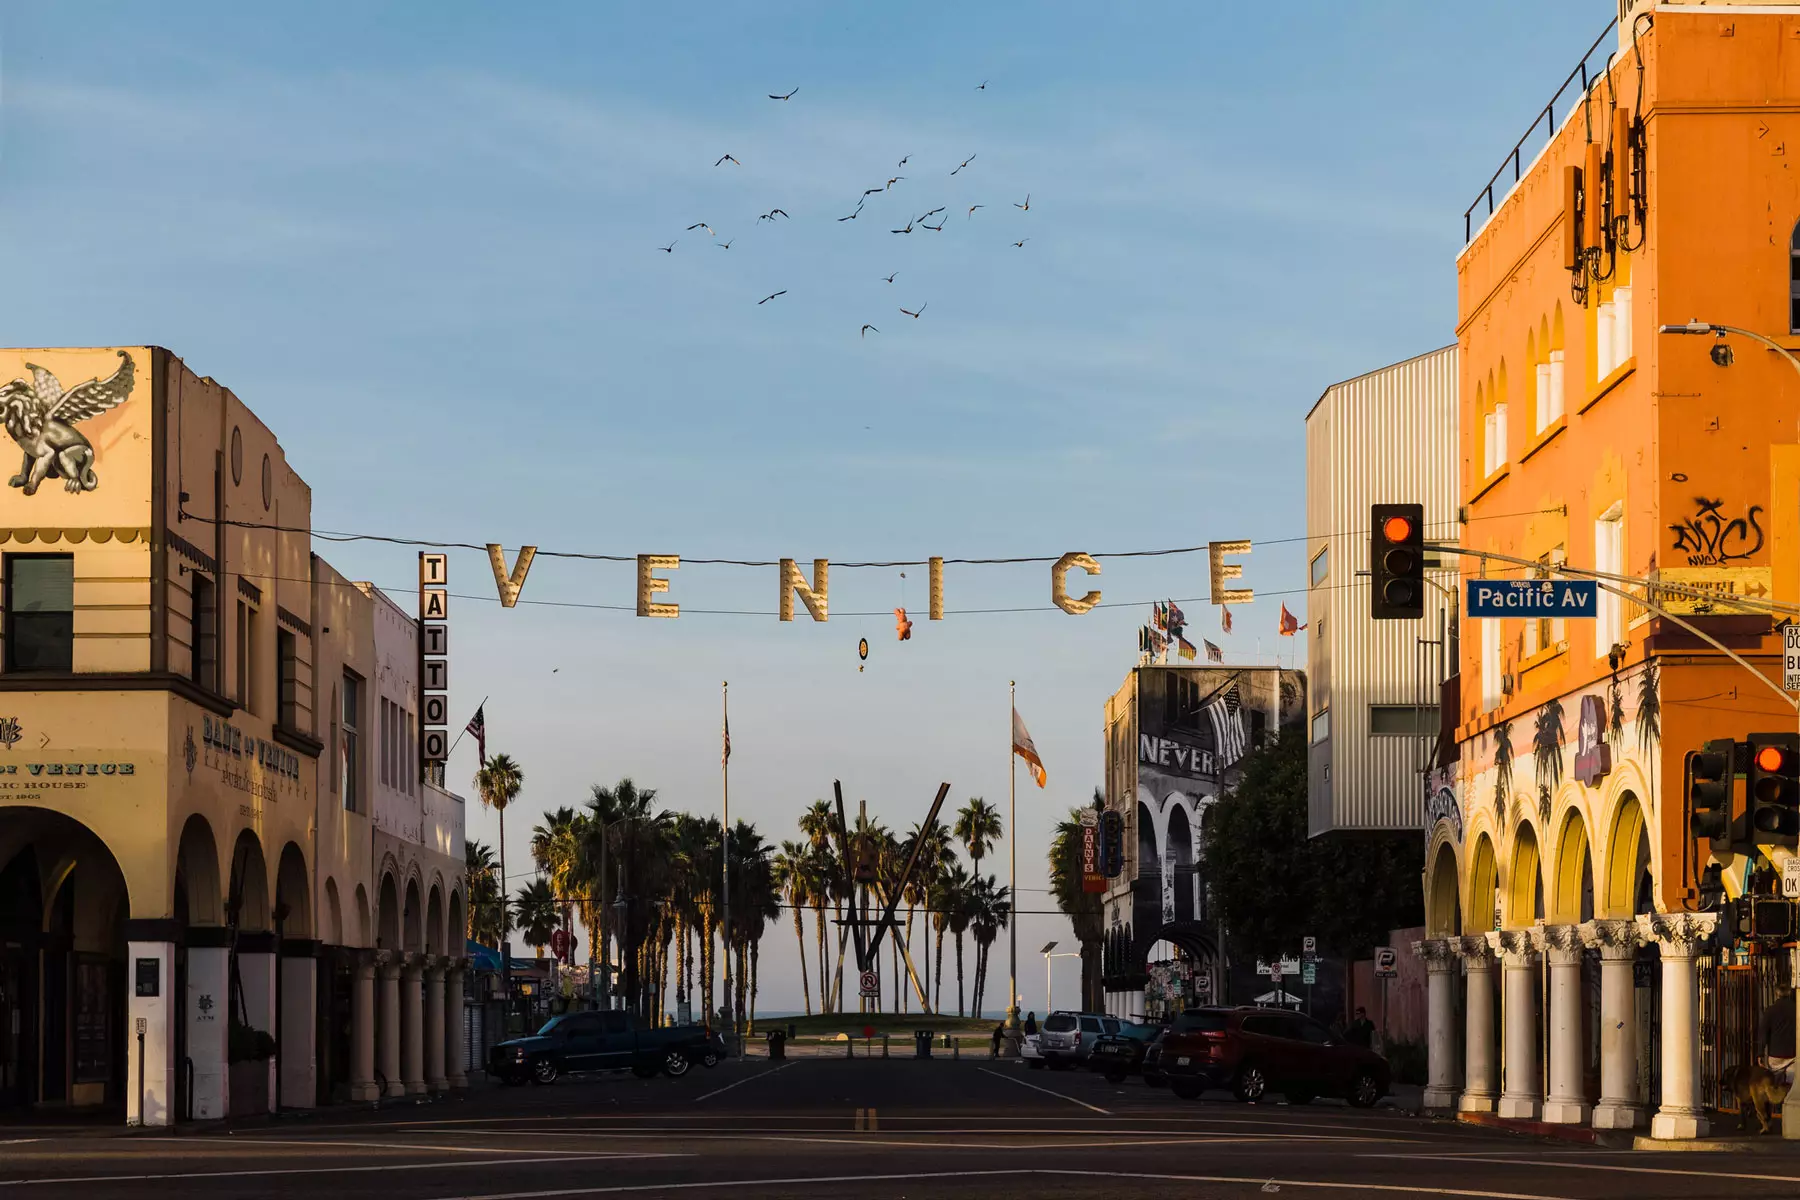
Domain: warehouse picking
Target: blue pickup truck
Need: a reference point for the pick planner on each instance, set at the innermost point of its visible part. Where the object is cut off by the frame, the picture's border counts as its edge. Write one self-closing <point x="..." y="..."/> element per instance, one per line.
<point x="611" y="1040"/>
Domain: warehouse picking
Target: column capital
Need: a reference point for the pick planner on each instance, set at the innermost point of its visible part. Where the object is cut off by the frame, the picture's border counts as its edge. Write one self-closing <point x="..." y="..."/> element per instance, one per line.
<point x="1616" y="940"/>
<point x="1678" y="935"/>
<point x="1517" y="947"/>
<point x="387" y="963"/>
<point x="435" y="965"/>
<point x="1439" y="954"/>
<point x="1563" y="944"/>
<point x="1472" y="948"/>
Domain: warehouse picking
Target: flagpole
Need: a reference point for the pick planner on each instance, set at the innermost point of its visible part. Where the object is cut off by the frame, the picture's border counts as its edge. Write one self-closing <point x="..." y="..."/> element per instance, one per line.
<point x="465" y="732"/>
<point x="725" y="863"/>
<point x="1012" y="853"/>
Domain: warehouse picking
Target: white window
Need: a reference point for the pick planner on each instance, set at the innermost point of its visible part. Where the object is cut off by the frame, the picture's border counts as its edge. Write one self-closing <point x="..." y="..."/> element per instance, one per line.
<point x="1609" y="557"/>
<point x="1321" y="566"/>
<point x="1556" y="384"/>
<point x="1490" y="665"/>
<point x="1621" y="326"/>
<point x="1321" y="726"/>
<point x="1603" y="341"/>
<point x="1494" y="440"/>
<point x="1543" y="397"/>
<point x="1488" y="461"/>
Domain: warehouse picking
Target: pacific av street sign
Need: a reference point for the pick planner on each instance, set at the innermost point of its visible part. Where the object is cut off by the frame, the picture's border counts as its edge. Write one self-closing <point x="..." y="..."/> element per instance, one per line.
<point x="1532" y="597"/>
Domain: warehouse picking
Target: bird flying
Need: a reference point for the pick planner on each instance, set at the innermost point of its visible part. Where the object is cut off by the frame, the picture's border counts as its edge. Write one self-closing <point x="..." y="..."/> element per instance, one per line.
<point x="670" y="248"/>
<point x="890" y="278"/>
<point x="726" y="158"/>
<point x="894" y="180"/>
<point x="938" y="228"/>
<point x="983" y="86"/>
<point x="866" y="328"/>
<point x="789" y="96"/>
<point x="965" y="162"/>
<point x="702" y="225"/>
<point x="973" y="207"/>
<point x="1027" y="205"/>
<point x="852" y="216"/>
<point x="772" y="295"/>
<point x="874" y="191"/>
<point x="768" y="216"/>
<point x="1021" y="241"/>
<point x="934" y="212"/>
<point x="724" y="245"/>
<point x="913" y="315"/>
<point x="904" y="161"/>
<point x="908" y="228"/>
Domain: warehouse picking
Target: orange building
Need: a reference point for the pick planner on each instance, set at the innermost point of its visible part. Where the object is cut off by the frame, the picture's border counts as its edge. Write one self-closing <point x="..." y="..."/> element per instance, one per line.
<point x="1666" y="191"/>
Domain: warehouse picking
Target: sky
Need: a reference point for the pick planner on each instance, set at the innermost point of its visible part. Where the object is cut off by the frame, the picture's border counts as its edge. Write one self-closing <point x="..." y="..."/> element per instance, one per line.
<point x="421" y="242"/>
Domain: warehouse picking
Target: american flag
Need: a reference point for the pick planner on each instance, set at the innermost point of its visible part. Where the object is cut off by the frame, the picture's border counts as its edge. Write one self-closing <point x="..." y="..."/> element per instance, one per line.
<point x="1227" y="715"/>
<point x="725" y="759"/>
<point x="477" y="726"/>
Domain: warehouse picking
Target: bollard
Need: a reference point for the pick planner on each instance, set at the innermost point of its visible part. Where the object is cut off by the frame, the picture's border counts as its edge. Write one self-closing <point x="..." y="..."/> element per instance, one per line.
<point x="955" y="1047"/>
<point x="849" y="1047"/>
<point x="884" y="1045"/>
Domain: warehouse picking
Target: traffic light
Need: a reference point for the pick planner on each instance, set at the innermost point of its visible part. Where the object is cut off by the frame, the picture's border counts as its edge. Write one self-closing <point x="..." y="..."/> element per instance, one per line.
<point x="1709" y="772"/>
<point x="1772" y="789"/>
<point x="1396" y="562"/>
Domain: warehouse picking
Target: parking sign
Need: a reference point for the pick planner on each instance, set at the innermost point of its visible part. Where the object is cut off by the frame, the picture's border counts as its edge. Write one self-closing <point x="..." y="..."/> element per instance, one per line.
<point x="1387" y="964"/>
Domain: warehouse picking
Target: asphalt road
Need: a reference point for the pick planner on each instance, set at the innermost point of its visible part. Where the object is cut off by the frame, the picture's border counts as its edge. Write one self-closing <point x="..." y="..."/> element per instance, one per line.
<point x="819" y="1128"/>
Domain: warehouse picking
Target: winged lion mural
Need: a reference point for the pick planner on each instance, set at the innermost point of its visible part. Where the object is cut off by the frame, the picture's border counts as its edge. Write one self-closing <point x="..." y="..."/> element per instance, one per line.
<point x="41" y="417"/>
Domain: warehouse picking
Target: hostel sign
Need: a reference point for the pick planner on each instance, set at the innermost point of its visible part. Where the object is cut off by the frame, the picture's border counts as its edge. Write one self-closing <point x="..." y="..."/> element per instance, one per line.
<point x="1532" y="598"/>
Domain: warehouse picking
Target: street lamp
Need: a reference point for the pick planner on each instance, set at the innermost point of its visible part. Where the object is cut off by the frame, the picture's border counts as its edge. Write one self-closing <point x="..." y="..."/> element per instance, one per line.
<point x="1721" y="354"/>
<point x="1049" y="1003"/>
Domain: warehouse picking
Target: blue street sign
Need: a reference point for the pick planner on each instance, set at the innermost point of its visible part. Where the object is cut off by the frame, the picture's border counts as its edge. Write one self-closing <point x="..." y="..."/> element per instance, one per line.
<point x="1532" y="597"/>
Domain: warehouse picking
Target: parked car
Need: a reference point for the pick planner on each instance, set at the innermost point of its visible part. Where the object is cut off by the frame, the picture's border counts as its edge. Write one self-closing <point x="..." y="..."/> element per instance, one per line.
<point x="1254" y="1051"/>
<point x="602" y="1041"/>
<point x="1116" y="1055"/>
<point x="1152" y="1066"/>
<point x="1028" y="1050"/>
<point x="1065" y="1038"/>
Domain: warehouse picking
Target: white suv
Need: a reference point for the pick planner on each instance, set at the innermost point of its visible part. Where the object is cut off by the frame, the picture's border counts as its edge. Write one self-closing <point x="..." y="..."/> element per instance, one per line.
<point x="1065" y="1038"/>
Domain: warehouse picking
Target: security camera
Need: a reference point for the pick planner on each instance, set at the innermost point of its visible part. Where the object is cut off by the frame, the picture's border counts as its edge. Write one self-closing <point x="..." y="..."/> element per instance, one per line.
<point x="1721" y="353"/>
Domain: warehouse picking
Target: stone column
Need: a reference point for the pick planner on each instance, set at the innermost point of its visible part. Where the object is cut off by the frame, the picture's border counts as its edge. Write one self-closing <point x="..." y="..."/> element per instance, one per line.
<point x="388" y="1035"/>
<point x="1480" y="1080"/>
<point x="412" y="1025"/>
<point x="256" y="979"/>
<point x="1440" y="1012"/>
<point x="363" y="1087"/>
<point x="209" y="1019"/>
<point x="1679" y="937"/>
<point x="1566" y="1103"/>
<point x="455" y="1038"/>
<point x="1520" y="953"/>
<point x="434" y="1024"/>
<point x="1620" y="1106"/>
<point x="298" y="1050"/>
<point x="149" y="1034"/>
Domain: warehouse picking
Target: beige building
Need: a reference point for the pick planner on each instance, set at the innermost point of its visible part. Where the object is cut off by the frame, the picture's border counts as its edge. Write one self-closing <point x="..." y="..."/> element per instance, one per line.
<point x="210" y="849"/>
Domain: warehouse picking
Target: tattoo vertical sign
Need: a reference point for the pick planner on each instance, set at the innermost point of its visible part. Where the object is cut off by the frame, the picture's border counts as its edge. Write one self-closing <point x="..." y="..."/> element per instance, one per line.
<point x="434" y="665"/>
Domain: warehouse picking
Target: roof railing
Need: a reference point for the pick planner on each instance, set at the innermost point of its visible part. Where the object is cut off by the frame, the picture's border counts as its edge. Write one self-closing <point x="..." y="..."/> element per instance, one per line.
<point x="1547" y="118"/>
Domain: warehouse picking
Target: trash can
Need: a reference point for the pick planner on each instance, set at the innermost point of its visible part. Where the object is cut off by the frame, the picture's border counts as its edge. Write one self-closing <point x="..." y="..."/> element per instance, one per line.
<point x="777" y="1044"/>
<point x="921" y="1043"/>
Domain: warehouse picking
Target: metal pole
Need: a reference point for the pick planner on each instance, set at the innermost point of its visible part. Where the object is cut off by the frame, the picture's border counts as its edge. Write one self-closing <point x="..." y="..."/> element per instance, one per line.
<point x="1012" y="854"/>
<point x="1049" y="995"/>
<point x="725" y="866"/>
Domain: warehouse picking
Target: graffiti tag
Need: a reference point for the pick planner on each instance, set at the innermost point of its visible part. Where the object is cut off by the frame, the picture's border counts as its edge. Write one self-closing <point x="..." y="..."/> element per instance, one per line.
<point x="1708" y="539"/>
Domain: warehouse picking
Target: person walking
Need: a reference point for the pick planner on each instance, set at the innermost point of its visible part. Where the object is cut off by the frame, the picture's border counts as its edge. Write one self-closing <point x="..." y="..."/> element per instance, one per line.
<point x="1361" y="1031"/>
<point x="1031" y="1024"/>
<point x="999" y="1032"/>
<point x="1776" y="1037"/>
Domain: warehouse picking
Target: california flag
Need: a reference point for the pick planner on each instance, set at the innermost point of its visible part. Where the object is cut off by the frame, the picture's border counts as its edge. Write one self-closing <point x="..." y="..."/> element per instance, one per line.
<point x="1024" y="749"/>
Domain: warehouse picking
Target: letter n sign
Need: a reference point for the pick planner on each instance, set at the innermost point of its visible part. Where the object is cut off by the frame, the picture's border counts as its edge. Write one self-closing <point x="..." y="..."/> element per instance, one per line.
<point x="434" y="662"/>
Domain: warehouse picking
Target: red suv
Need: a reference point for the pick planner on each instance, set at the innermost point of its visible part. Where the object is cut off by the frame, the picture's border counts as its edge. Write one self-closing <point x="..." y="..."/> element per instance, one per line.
<point x="1254" y="1051"/>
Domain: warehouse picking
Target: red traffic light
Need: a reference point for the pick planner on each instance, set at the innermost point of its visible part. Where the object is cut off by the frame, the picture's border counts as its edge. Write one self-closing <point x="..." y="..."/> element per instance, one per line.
<point x="1773" y="759"/>
<point x="1396" y="529"/>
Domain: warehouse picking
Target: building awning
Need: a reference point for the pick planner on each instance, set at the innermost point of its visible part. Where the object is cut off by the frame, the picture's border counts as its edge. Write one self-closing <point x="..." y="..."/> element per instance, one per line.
<point x="1284" y="998"/>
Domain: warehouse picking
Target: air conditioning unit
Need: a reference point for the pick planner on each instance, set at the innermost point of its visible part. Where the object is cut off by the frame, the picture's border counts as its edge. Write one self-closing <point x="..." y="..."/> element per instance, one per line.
<point x="1507" y="684"/>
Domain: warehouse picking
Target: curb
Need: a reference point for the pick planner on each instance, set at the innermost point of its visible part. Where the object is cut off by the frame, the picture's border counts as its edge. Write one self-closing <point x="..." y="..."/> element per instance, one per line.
<point x="1580" y="1134"/>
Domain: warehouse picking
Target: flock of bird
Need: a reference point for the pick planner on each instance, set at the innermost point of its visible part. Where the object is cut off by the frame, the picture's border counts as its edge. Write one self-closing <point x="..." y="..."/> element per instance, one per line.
<point x="919" y="222"/>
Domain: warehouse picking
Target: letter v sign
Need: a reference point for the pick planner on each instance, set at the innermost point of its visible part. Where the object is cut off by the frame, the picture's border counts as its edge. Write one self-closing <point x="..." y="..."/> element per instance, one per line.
<point x="511" y="583"/>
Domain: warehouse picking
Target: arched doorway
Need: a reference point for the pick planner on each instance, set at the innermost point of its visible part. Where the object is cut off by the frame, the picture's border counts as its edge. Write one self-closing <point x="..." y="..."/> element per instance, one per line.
<point x="1573" y="898"/>
<point x="1443" y="913"/>
<point x="1524" y="900"/>
<point x="1181" y="864"/>
<point x="63" y="907"/>
<point x="1483" y="912"/>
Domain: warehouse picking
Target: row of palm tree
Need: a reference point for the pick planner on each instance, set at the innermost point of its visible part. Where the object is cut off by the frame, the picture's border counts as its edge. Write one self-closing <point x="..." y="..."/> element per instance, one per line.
<point x="648" y="879"/>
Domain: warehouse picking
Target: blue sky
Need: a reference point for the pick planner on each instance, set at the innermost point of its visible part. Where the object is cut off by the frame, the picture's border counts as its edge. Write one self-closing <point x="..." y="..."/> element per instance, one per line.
<point x="419" y="240"/>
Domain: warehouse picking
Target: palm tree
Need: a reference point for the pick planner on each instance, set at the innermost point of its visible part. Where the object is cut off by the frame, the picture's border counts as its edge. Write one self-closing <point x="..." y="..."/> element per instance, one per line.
<point x="950" y="914"/>
<point x="638" y="846"/>
<point x="498" y="783"/>
<point x="537" y="914"/>
<point x="990" y="910"/>
<point x="978" y="828"/>
<point x="1082" y="908"/>
<point x="791" y="874"/>
<point x="821" y="866"/>
<point x="933" y="854"/>
<point x="820" y="825"/>
<point x="483" y="890"/>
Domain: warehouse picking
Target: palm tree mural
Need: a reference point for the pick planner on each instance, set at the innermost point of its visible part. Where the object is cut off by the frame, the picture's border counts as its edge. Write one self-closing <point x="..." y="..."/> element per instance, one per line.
<point x="1083" y="908"/>
<point x="498" y="783"/>
<point x="1547" y="754"/>
<point x="1649" y="713"/>
<point x="1615" y="703"/>
<point x="1503" y="760"/>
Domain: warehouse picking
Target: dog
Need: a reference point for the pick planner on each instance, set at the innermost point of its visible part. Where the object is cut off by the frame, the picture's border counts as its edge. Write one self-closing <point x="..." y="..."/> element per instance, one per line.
<point x="1756" y="1090"/>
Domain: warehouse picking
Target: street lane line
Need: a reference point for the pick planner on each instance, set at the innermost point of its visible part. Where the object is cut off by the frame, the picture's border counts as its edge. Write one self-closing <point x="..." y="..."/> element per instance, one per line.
<point x="1584" y="1166"/>
<point x="461" y="1163"/>
<point x="1358" y="1186"/>
<point x="700" y="1185"/>
<point x="741" y="1082"/>
<point x="403" y="1146"/>
<point x="1034" y="1087"/>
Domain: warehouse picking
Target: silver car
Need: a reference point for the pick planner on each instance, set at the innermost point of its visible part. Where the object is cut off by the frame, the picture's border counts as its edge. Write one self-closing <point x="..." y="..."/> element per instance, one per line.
<point x="1065" y="1038"/>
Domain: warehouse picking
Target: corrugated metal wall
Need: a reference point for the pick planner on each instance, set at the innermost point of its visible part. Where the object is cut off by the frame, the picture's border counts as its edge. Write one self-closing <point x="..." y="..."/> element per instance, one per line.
<point x="1385" y="437"/>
